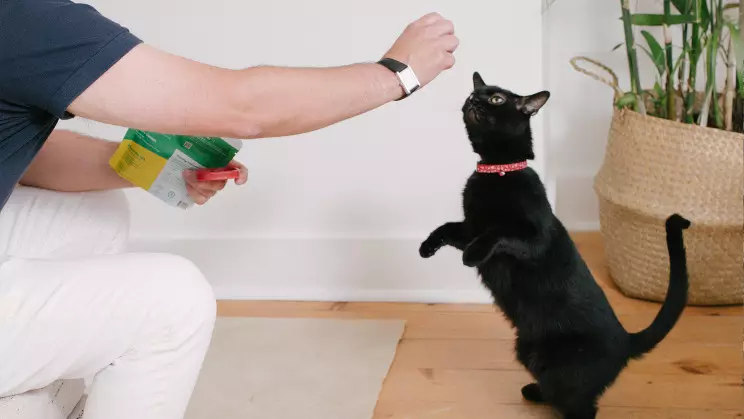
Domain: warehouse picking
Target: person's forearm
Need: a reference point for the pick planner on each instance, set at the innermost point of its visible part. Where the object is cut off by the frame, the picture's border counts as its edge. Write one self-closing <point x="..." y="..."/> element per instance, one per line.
<point x="153" y="90"/>
<point x="71" y="162"/>
<point x="180" y="96"/>
<point x="275" y="101"/>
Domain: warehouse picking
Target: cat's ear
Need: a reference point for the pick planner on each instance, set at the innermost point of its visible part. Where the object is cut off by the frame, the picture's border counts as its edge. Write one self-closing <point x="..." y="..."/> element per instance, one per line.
<point x="478" y="81"/>
<point x="532" y="104"/>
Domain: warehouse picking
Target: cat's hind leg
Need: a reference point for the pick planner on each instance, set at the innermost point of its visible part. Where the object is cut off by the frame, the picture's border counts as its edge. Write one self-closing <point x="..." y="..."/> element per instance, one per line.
<point x="532" y="392"/>
<point x="575" y="404"/>
<point x="585" y="412"/>
<point x="574" y="388"/>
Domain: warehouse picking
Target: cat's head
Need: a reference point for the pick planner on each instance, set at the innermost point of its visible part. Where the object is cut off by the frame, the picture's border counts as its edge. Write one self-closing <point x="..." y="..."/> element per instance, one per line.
<point x="498" y="121"/>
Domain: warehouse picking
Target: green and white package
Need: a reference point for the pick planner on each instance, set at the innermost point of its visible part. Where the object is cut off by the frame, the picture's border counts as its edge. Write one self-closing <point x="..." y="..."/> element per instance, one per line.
<point x="155" y="162"/>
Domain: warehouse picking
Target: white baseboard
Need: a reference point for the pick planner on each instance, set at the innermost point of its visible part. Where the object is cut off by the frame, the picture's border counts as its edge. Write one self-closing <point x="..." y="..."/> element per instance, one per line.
<point x="350" y="268"/>
<point x="580" y="226"/>
<point x="326" y="269"/>
<point x="341" y="294"/>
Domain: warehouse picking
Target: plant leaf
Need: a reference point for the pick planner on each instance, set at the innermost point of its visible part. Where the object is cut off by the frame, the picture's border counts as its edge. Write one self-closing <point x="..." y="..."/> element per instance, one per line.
<point x="704" y="15"/>
<point x="639" y="19"/>
<point x="626" y="100"/>
<point x="646" y="50"/>
<point x="657" y="52"/>
<point x="660" y="93"/>
<point x="618" y="46"/>
<point x="738" y="45"/>
<point x="683" y="6"/>
<point x="678" y="63"/>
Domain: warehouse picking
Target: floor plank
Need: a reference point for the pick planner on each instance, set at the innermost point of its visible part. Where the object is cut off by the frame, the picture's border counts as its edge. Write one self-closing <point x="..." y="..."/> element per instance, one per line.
<point x="483" y="409"/>
<point x="485" y="325"/>
<point x="671" y="358"/>
<point x="456" y="361"/>
<point x="503" y="386"/>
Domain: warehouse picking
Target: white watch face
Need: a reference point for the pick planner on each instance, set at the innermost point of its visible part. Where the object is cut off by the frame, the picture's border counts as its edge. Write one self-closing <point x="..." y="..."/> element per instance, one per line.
<point x="408" y="80"/>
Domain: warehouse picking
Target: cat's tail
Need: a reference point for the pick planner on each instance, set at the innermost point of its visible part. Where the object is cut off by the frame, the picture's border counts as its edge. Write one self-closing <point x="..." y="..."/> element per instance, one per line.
<point x="676" y="298"/>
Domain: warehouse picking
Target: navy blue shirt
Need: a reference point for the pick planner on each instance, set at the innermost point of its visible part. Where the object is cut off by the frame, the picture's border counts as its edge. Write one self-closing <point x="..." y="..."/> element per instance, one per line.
<point x="51" y="51"/>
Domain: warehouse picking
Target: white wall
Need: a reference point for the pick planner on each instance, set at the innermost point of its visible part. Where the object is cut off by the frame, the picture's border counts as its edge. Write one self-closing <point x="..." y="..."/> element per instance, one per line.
<point x="581" y="107"/>
<point x="339" y="213"/>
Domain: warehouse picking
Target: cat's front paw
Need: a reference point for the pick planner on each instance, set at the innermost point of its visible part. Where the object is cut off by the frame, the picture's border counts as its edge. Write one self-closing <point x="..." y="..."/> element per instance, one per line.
<point x="473" y="256"/>
<point x="517" y="250"/>
<point x="479" y="253"/>
<point x="429" y="247"/>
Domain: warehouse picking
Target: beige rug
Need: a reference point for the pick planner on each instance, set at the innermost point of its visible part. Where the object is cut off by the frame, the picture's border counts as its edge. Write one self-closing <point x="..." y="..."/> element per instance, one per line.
<point x="294" y="368"/>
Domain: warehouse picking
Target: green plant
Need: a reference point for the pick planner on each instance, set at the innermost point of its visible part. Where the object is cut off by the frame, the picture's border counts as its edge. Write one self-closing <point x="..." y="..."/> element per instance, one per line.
<point x="710" y="36"/>
<point x="630" y="46"/>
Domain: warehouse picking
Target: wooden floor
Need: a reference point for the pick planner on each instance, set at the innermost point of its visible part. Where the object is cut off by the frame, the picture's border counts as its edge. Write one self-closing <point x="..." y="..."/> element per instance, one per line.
<point x="456" y="361"/>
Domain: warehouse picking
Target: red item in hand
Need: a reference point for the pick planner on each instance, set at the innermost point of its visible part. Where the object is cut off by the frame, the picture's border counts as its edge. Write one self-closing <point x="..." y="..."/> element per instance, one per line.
<point x="225" y="173"/>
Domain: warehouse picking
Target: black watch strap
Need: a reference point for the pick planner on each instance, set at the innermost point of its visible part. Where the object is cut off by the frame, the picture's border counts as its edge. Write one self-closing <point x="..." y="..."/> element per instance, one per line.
<point x="405" y="74"/>
<point x="393" y="65"/>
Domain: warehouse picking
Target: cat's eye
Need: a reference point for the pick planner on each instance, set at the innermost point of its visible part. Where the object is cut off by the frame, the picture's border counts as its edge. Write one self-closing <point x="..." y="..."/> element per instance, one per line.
<point x="496" y="100"/>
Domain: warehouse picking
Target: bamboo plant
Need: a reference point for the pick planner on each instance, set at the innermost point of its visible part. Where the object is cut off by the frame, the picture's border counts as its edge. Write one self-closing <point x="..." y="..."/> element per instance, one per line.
<point x="708" y="34"/>
<point x="711" y="39"/>
<point x="630" y="45"/>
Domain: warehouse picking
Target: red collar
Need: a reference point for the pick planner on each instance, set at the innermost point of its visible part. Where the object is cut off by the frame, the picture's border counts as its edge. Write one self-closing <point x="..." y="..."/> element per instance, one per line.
<point x="501" y="169"/>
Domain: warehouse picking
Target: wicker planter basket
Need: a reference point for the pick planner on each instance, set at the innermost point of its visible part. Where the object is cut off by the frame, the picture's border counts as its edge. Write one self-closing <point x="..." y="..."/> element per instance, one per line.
<point x="655" y="167"/>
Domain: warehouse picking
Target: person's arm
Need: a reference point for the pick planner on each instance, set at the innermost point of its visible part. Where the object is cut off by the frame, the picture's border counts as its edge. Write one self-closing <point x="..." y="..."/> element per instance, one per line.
<point x="72" y="162"/>
<point x="152" y="90"/>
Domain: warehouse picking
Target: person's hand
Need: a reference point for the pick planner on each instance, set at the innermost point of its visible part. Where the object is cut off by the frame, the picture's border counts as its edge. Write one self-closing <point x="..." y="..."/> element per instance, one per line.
<point x="427" y="46"/>
<point x="202" y="191"/>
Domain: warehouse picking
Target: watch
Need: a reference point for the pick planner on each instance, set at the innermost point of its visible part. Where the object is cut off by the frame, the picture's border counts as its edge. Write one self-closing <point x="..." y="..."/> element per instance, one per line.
<point x="408" y="80"/>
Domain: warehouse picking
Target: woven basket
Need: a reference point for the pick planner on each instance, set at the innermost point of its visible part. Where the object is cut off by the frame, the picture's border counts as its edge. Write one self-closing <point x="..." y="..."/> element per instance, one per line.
<point x="653" y="168"/>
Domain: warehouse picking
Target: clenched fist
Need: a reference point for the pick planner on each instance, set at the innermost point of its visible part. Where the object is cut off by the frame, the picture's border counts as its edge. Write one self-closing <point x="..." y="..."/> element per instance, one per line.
<point x="427" y="46"/>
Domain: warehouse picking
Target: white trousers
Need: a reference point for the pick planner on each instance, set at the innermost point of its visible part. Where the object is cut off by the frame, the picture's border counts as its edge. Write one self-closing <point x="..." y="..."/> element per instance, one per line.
<point x="72" y="306"/>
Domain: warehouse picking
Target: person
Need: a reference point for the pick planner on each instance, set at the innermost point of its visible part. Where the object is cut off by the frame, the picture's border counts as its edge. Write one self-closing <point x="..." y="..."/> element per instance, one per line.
<point x="72" y="303"/>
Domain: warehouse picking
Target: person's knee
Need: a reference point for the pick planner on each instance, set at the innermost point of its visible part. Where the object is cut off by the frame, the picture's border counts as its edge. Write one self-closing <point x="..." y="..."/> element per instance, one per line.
<point x="185" y="297"/>
<point x="196" y="293"/>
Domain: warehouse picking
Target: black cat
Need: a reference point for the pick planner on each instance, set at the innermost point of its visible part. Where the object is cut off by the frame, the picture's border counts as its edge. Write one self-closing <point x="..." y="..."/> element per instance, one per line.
<point x="568" y="336"/>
